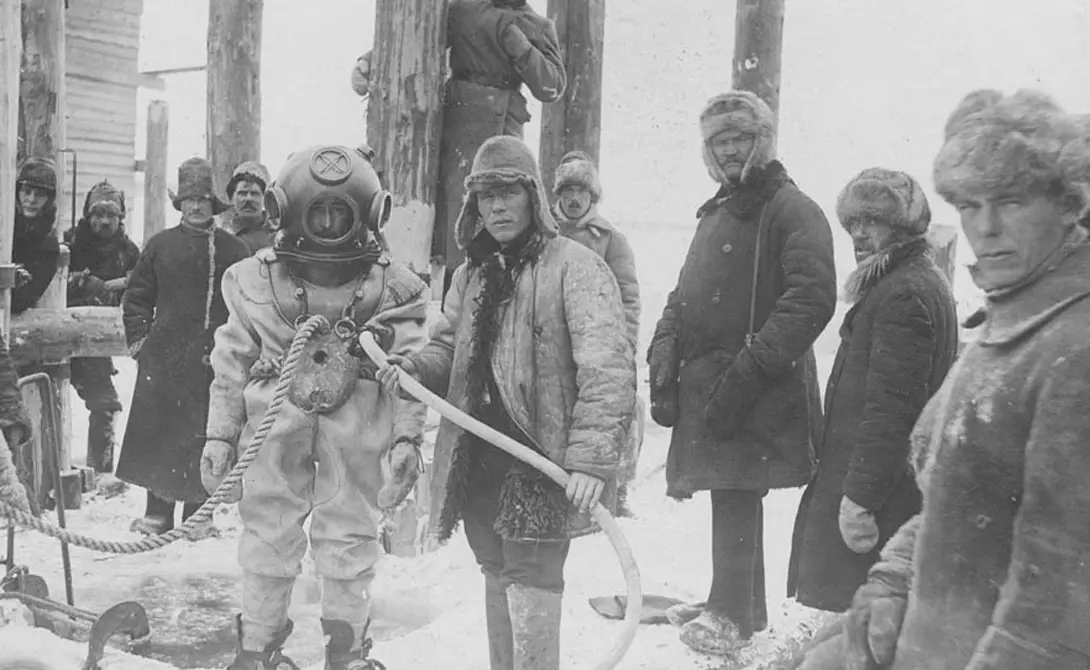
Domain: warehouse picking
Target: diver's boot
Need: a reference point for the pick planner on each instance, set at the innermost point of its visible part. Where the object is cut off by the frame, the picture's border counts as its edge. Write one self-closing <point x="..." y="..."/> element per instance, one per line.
<point x="271" y="656"/>
<point x="347" y="649"/>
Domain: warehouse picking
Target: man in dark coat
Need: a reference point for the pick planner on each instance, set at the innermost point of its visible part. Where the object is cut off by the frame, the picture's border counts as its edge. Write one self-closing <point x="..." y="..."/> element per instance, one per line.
<point x="247" y="218"/>
<point x="897" y="343"/>
<point x="35" y="246"/>
<point x="102" y="258"/>
<point x="999" y="577"/>
<point x="732" y="365"/>
<point x="172" y="308"/>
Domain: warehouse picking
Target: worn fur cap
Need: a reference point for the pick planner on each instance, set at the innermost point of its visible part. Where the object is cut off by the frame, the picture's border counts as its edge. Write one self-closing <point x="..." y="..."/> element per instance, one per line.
<point x="889" y="196"/>
<point x="104" y="191"/>
<point x="740" y="111"/>
<point x="249" y="171"/>
<point x="577" y="169"/>
<point x="1075" y="161"/>
<point x="503" y="160"/>
<point x="196" y="180"/>
<point x="994" y="143"/>
<point x="38" y="172"/>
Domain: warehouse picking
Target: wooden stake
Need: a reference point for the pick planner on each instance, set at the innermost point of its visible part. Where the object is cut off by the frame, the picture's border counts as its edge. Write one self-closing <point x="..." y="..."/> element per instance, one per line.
<point x="758" y="47"/>
<point x="155" y="168"/>
<point x="575" y="122"/>
<point x="234" y="85"/>
<point x="404" y="120"/>
<point x="11" y="52"/>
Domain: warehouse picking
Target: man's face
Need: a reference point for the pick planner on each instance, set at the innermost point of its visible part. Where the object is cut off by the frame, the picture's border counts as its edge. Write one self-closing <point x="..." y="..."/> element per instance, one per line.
<point x="248" y="199"/>
<point x="105" y="218"/>
<point x="869" y="236"/>
<point x="32" y="200"/>
<point x="505" y="211"/>
<point x="731" y="150"/>
<point x="1011" y="233"/>
<point x="330" y="219"/>
<point x="197" y="211"/>
<point x="575" y="201"/>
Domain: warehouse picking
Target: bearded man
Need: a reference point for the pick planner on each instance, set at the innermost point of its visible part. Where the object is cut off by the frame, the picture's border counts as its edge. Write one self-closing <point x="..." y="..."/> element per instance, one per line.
<point x="732" y="366"/>
<point x="247" y="218"/>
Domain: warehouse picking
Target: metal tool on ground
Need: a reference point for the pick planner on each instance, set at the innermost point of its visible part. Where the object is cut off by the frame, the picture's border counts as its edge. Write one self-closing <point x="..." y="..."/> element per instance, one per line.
<point x="634" y="605"/>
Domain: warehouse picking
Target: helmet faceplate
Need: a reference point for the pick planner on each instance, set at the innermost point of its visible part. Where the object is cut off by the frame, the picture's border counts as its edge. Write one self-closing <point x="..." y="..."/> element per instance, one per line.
<point x="328" y="201"/>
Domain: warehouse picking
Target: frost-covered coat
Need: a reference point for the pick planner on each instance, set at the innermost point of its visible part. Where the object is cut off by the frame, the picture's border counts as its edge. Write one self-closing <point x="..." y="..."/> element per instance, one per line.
<point x="283" y="485"/>
<point x="898" y="341"/>
<point x="1002" y="453"/>
<point x="172" y="307"/>
<point x="565" y="377"/>
<point x="596" y="233"/>
<point x="484" y="96"/>
<point x="768" y="392"/>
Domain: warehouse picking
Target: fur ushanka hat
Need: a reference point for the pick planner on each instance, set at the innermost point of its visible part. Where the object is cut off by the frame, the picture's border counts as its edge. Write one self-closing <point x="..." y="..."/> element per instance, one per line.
<point x="889" y="196"/>
<point x="503" y="160"/>
<point x="249" y="171"/>
<point x="577" y="169"/>
<point x="1075" y="162"/>
<point x="196" y="180"/>
<point x="994" y="143"/>
<point x="740" y="111"/>
<point x="38" y="172"/>
<point x="104" y="191"/>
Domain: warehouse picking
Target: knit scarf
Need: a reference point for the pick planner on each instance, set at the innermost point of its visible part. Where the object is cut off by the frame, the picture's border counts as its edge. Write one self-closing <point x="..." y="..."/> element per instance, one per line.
<point x="210" y="232"/>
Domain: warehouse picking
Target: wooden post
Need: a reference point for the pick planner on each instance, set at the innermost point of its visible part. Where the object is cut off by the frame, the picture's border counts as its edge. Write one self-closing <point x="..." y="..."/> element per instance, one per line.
<point x="575" y="122"/>
<point x="234" y="84"/>
<point x="758" y="46"/>
<point x="11" y="51"/>
<point x="155" y="169"/>
<point x="404" y="120"/>
<point x="944" y="244"/>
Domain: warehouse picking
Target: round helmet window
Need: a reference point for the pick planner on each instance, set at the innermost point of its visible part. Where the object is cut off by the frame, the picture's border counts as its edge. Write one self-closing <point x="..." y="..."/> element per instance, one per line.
<point x="330" y="220"/>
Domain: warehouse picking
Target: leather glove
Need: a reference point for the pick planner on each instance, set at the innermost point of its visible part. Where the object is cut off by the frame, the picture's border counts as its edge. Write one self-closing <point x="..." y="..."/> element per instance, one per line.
<point x="405" y="466"/>
<point x="217" y="458"/>
<point x="664" y="383"/>
<point x="515" y="43"/>
<point x="857" y="526"/>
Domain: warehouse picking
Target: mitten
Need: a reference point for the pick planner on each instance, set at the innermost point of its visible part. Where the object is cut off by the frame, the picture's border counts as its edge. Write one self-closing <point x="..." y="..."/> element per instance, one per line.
<point x="217" y="458"/>
<point x="857" y="526"/>
<point x="664" y="370"/>
<point x="95" y="290"/>
<point x="405" y="462"/>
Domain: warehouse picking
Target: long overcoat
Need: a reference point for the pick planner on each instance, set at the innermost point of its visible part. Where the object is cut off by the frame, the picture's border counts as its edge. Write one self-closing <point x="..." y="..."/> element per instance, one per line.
<point x="1002" y="455"/>
<point x="770" y="387"/>
<point x="898" y="341"/>
<point x="173" y="306"/>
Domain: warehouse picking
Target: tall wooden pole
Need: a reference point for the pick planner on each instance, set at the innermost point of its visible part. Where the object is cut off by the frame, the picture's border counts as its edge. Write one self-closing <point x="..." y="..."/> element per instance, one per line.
<point x="11" y="52"/>
<point x="234" y="84"/>
<point x="404" y="120"/>
<point x="575" y="122"/>
<point x="758" y="47"/>
<point x="155" y="168"/>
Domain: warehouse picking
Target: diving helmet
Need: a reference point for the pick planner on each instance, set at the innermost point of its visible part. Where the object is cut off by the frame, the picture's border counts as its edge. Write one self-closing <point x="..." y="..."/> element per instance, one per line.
<point x="327" y="201"/>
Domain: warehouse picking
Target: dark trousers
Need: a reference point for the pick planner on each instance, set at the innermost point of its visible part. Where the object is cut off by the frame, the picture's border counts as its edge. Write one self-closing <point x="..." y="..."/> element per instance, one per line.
<point x="738" y="563"/>
<point x="535" y="564"/>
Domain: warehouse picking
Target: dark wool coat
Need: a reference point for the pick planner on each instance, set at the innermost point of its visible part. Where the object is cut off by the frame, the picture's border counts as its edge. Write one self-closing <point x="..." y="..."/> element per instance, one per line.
<point x="165" y="307"/>
<point x="1002" y="452"/>
<point x="766" y="398"/>
<point x="37" y="250"/>
<point x="105" y="259"/>
<point x="898" y="341"/>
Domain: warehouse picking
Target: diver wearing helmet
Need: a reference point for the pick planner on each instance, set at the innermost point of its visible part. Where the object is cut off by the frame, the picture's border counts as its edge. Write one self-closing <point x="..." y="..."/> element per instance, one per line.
<point x="328" y="259"/>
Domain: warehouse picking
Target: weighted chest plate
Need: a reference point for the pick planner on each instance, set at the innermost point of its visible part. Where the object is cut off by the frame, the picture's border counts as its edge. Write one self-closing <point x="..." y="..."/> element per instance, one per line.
<point x="325" y="375"/>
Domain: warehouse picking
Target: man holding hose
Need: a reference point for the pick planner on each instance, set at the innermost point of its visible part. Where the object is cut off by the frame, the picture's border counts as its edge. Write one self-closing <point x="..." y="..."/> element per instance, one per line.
<point x="532" y="343"/>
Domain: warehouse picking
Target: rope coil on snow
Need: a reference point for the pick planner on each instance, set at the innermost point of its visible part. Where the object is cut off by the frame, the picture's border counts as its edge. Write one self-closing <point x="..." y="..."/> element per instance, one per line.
<point x="222" y="492"/>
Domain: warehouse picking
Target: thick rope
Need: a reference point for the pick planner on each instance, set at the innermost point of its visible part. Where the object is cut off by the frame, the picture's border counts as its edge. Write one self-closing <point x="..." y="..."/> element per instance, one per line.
<point x="151" y="543"/>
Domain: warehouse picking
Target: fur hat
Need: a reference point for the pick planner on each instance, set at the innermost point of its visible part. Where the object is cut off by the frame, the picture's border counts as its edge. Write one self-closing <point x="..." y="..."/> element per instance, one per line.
<point x="741" y="111"/>
<point x="1075" y="161"/>
<point x="196" y="180"/>
<point x="503" y="160"/>
<point x="995" y="142"/>
<point x="38" y="172"/>
<point x="104" y="191"/>
<point x="577" y="169"/>
<point x="889" y="196"/>
<point x="249" y="171"/>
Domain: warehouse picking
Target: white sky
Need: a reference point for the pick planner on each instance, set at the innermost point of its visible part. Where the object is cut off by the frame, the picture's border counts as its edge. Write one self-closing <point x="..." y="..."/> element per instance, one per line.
<point x="864" y="83"/>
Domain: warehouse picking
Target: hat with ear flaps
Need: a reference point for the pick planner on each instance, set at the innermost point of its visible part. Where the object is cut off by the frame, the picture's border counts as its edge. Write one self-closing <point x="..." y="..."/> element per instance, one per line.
<point x="503" y="160"/>
<point x="740" y="111"/>
<point x="891" y="197"/>
<point x="196" y="180"/>
<point x="104" y="191"/>
<point x="577" y="169"/>
<point x="994" y="143"/>
<point x="38" y="172"/>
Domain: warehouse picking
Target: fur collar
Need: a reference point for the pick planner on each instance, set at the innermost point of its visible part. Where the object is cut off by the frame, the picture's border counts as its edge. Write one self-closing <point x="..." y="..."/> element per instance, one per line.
<point x="745" y="199"/>
<point x="868" y="273"/>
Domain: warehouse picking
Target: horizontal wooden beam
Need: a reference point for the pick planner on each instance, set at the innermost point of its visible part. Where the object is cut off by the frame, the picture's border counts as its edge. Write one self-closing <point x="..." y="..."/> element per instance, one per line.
<point x="46" y="336"/>
<point x="174" y="70"/>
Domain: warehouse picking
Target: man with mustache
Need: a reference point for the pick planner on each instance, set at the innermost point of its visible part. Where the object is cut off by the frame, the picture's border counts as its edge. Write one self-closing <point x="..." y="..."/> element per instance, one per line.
<point x="247" y="218"/>
<point x="898" y="341"/>
<point x="103" y="256"/>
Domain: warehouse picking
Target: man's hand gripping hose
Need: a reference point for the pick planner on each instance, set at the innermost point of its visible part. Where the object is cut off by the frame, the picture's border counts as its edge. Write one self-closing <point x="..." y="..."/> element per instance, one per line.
<point x="12" y="509"/>
<point x="553" y="471"/>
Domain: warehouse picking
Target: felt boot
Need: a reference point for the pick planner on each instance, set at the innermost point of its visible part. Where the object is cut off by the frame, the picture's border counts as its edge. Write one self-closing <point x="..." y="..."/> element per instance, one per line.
<point x="271" y="656"/>
<point x="535" y="627"/>
<point x="501" y="646"/>
<point x="100" y="441"/>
